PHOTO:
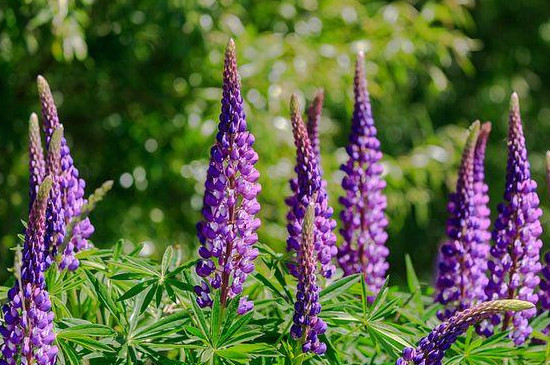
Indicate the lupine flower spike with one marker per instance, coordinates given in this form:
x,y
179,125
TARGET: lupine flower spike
x,y
228,232
324,220
463,257
514,265
72,187
364,203
37,164
28,320
304,239
544,292
55,213
483,213
431,349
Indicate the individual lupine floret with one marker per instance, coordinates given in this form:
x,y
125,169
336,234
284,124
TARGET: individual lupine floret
x,y
544,292
72,187
324,220
463,256
228,232
37,164
514,265
431,349
363,215
303,239
27,331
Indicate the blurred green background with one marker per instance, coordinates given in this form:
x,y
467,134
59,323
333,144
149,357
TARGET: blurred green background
x,y
138,88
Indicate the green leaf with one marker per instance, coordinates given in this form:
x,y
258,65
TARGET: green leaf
x,y
166,259
135,290
246,351
339,287
148,298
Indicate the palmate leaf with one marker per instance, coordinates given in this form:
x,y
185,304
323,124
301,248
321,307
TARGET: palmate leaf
x,y
79,333
478,350
104,297
67,355
338,287
162,328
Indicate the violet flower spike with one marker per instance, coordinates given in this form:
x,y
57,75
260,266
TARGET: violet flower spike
x,y
228,231
463,256
544,286
72,187
303,234
27,330
55,212
325,234
37,165
363,215
514,265
431,349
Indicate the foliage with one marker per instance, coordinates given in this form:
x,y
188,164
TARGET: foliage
x,y
125,309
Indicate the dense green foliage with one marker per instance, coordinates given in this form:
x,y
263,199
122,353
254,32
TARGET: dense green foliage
x,y
119,308
138,86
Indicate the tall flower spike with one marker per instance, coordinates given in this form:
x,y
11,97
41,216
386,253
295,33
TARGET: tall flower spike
x,y
37,165
431,349
27,330
363,215
72,187
55,212
228,231
482,194
304,232
544,292
463,256
325,235
514,265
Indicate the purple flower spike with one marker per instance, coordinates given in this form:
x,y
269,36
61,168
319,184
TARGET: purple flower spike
x,y
325,237
55,213
544,292
431,349
514,266
482,192
463,257
27,330
37,165
72,187
228,232
309,222
364,203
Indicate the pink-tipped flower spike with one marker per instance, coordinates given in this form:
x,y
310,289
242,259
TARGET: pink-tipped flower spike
x,y
325,234
72,187
431,349
27,329
363,215
514,265
228,231
307,226
37,164
463,257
